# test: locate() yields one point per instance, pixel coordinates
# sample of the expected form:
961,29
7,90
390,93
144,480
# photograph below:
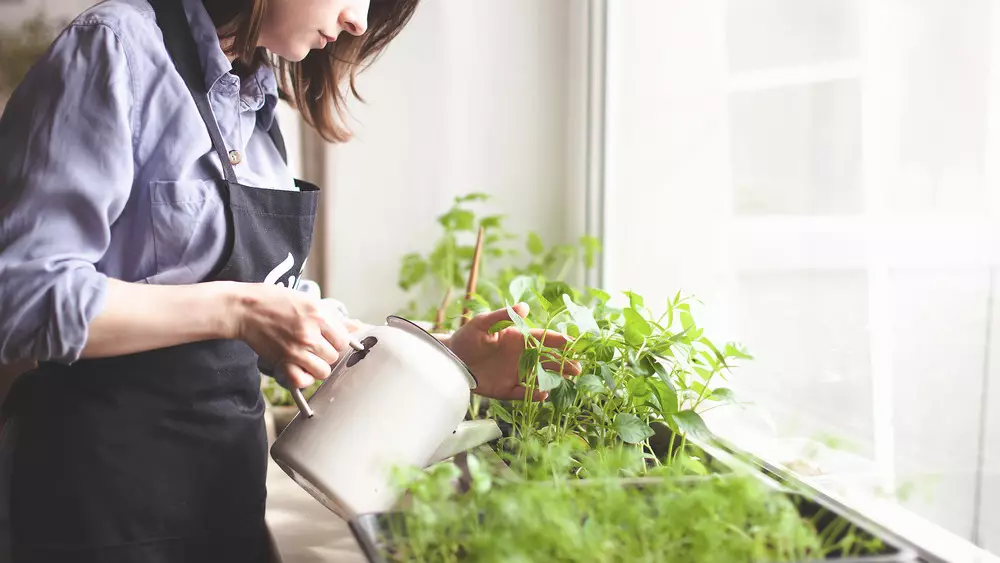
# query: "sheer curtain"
823,175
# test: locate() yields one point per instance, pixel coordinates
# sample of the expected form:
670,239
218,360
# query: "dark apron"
159,456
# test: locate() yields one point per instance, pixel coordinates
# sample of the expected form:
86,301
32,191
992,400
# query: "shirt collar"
259,91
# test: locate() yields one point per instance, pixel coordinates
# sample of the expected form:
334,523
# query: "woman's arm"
141,317
285,327
65,175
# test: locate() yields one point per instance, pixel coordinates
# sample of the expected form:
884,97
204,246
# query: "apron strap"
278,139
181,46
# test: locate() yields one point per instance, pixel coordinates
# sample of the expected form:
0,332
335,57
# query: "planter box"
375,533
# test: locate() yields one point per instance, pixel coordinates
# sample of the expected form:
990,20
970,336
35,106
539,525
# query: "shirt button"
235,157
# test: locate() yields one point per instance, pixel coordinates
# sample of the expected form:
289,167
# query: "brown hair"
314,85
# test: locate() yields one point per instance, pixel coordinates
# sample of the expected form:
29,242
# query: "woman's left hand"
493,358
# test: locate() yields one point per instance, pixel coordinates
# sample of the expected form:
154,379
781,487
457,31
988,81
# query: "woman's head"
320,45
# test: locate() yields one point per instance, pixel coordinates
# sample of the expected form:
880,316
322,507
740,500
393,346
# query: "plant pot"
378,534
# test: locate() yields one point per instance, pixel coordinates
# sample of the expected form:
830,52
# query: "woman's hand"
292,331
493,358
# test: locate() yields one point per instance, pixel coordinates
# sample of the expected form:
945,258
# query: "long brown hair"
315,85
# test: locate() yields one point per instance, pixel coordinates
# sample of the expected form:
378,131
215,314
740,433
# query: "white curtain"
823,175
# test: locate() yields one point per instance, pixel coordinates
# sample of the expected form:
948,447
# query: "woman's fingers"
312,365
486,320
518,394
551,339
566,369
336,334
294,376
325,350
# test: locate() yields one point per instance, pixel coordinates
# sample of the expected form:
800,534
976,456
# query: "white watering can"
397,400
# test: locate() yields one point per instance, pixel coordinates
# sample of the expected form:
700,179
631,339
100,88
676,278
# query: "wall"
473,96
13,12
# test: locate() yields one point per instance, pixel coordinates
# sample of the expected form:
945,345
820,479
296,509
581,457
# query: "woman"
151,237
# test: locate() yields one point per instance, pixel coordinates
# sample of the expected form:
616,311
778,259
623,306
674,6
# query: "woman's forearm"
140,317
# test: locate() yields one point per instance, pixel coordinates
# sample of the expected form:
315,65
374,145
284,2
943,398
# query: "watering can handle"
300,399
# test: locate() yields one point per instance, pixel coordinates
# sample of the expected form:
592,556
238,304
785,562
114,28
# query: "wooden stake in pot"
470,287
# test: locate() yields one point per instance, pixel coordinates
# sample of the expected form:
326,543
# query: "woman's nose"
351,23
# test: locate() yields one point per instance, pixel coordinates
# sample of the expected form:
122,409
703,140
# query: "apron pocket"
189,225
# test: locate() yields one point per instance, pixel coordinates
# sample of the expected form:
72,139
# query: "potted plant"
552,517
633,413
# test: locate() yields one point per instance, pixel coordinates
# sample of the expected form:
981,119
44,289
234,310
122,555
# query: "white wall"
472,96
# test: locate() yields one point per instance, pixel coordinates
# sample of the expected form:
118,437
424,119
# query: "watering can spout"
468,435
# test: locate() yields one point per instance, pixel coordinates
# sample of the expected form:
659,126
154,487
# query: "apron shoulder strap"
278,139
181,46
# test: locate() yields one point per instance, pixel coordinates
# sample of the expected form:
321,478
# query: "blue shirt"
106,171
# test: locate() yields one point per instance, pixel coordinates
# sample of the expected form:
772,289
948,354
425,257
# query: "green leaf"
442,260
519,322
636,327
698,388
526,363
491,222
731,351
601,296
519,286
535,246
710,357
638,388
723,394
690,423
687,322
591,247
693,465
498,411
572,331
703,373
500,326
554,291
548,380
412,271
667,397
582,316
545,303
458,220
590,382
609,376
658,367
564,395
645,365
475,306
634,300
631,429
474,196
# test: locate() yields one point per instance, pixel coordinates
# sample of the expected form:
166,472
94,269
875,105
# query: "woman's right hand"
291,331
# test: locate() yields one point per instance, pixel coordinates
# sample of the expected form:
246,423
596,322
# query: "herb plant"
560,493
549,517
436,281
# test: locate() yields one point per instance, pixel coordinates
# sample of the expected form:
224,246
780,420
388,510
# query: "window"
823,175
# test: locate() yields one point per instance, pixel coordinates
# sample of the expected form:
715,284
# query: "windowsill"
853,481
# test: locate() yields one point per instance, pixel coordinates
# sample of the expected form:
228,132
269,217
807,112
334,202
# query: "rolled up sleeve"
66,172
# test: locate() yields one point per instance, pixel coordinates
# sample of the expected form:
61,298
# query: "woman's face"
292,28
